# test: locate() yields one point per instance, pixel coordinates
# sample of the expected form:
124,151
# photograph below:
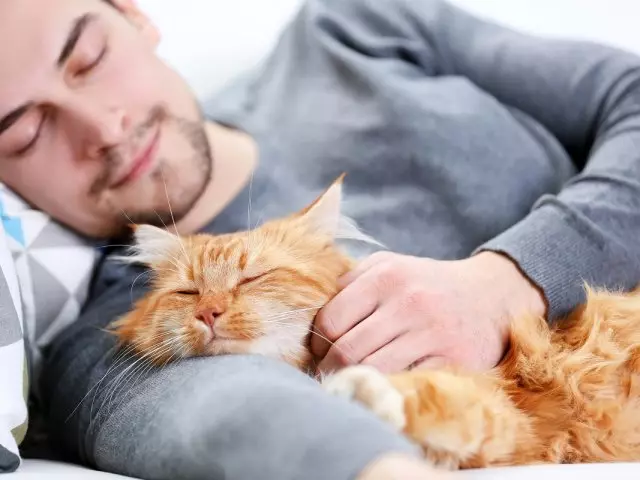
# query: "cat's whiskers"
167,269
166,192
136,368
139,372
127,217
249,207
119,359
133,284
249,229
170,359
259,220
112,245
110,398
179,266
290,312
311,330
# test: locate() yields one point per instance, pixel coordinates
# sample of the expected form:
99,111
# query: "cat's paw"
370,387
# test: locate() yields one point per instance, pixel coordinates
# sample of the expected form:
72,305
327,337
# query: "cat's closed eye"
187,292
253,276
250,278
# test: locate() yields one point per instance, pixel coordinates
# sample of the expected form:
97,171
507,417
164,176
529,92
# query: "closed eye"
187,292
252,278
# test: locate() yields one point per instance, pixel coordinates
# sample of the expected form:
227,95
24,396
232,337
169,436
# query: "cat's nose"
208,316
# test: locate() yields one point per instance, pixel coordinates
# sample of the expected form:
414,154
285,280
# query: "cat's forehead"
232,252
272,239
268,246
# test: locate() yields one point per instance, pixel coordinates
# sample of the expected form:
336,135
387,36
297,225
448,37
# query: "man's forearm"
246,417
587,96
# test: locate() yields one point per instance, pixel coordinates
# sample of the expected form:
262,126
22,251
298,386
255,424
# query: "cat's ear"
152,245
324,216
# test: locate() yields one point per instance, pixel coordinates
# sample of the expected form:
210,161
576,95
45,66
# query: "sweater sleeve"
235,416
586,95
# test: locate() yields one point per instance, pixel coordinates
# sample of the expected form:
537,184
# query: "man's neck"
235,157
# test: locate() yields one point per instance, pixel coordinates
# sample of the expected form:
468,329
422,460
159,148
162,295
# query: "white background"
210,41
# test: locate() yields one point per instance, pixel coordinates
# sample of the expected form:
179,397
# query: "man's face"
94,128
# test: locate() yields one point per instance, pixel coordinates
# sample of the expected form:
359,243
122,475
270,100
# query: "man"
502,171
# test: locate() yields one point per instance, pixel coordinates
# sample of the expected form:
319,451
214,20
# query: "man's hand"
396,311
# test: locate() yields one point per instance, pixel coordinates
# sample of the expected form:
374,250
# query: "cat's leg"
461,421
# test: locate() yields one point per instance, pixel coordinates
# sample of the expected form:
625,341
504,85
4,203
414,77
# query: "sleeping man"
501,171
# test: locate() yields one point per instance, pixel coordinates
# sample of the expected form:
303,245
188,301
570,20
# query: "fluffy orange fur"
563,394
567,394
266,286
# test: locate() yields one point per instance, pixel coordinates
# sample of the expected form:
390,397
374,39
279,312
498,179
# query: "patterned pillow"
13,378
54,267
47,269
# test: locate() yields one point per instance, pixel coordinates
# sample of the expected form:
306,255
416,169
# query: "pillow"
53,266
46,270
13,374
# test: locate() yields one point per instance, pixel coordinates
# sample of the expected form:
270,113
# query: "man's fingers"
342,313
361,341
362,267
402,352
431,363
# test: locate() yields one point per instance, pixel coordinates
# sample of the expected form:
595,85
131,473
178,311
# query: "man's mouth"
139,164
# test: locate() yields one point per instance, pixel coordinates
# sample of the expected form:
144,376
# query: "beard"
201,166
180,197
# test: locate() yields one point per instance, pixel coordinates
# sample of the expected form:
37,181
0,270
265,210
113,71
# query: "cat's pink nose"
208,316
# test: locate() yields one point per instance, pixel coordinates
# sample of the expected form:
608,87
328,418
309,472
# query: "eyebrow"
78,26
74,35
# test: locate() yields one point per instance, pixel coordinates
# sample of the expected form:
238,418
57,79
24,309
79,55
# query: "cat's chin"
226,346
220,344
291,349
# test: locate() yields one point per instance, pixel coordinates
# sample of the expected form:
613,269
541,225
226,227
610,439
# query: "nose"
208,316
103,127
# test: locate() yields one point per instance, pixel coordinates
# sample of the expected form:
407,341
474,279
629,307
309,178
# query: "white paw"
371,388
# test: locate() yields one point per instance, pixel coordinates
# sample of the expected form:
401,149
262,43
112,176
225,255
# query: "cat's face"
251,292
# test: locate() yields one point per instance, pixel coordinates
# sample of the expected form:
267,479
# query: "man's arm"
233,416
586,95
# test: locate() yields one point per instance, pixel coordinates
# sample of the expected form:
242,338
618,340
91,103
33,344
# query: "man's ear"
142,22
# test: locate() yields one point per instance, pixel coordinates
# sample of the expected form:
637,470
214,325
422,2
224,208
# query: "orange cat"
567,394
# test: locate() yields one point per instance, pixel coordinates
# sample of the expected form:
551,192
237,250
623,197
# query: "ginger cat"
565,394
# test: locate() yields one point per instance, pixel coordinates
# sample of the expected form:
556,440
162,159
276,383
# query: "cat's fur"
564,394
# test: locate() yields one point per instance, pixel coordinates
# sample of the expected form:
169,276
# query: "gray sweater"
457,135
